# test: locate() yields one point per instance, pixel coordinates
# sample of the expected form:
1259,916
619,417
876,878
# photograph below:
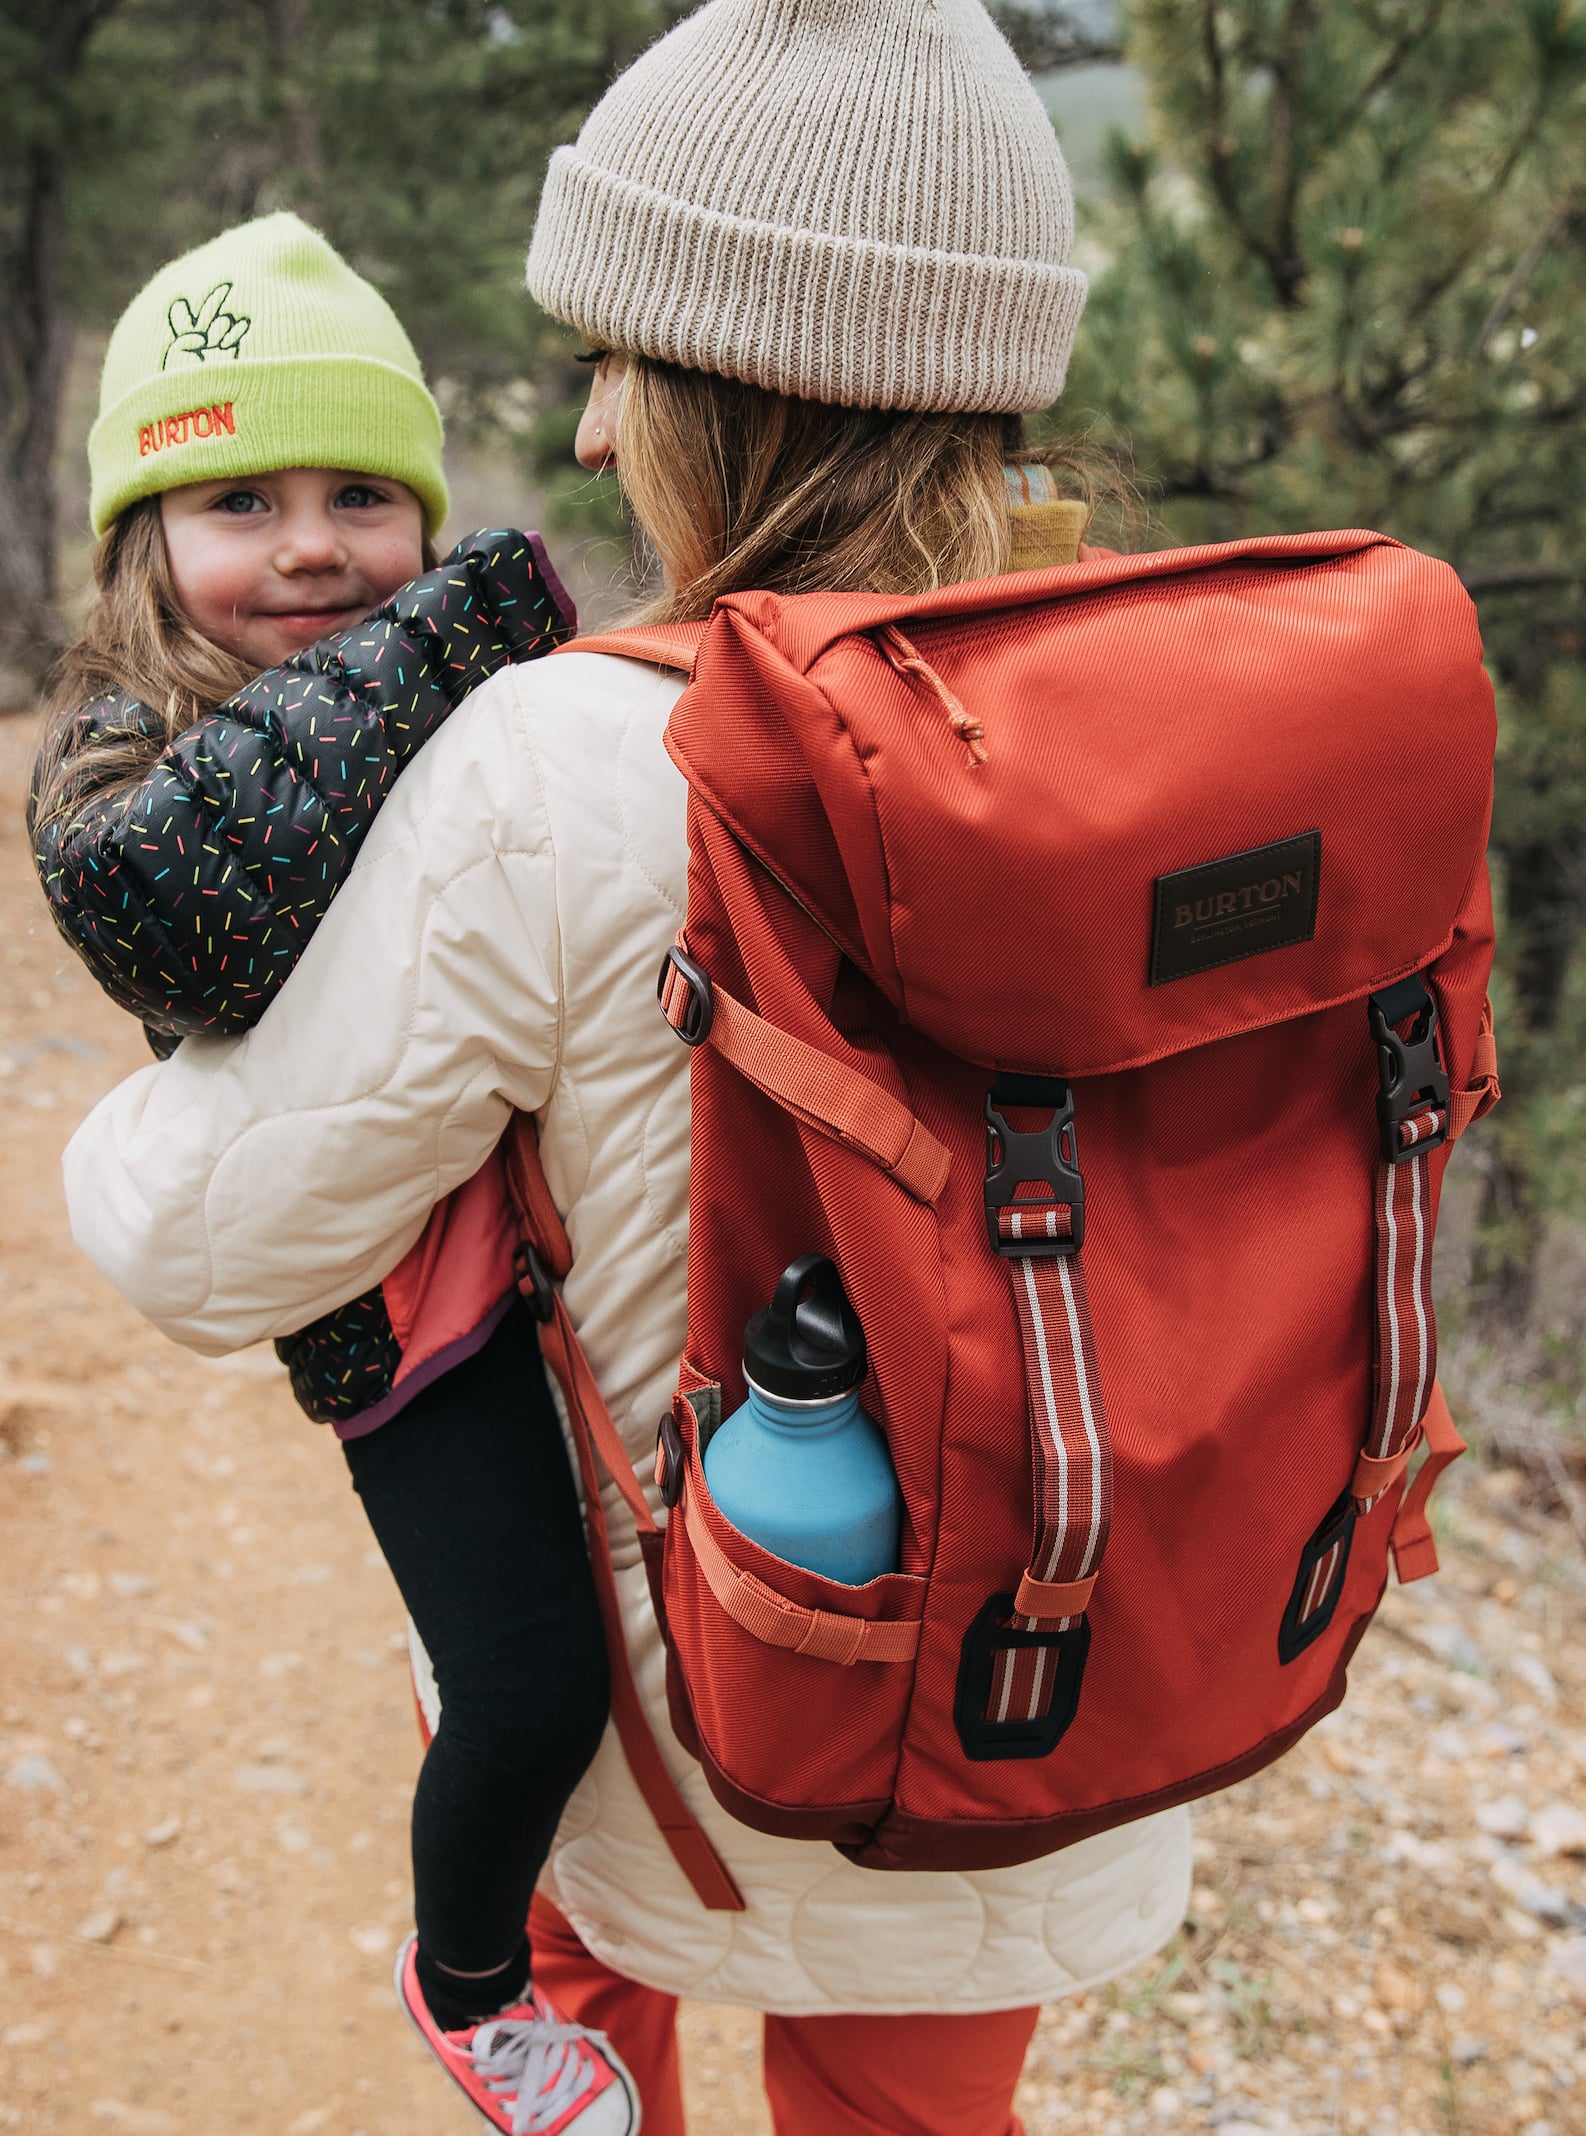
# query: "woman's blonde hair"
736,488
137,639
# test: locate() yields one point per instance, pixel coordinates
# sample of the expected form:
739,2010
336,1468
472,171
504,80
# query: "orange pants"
825,2076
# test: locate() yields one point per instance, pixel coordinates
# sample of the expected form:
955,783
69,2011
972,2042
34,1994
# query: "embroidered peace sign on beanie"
861,203
257,351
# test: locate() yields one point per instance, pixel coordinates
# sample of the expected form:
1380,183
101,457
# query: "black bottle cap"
807,1344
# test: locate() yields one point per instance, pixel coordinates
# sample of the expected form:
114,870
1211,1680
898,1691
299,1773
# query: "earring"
600,430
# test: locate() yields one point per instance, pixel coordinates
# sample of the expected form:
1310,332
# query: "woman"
823,253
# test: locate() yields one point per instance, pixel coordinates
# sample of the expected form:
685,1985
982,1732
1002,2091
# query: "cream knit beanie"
858,201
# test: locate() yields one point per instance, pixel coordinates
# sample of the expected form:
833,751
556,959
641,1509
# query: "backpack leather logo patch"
1240,906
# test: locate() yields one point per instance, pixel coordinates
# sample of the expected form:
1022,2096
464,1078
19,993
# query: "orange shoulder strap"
598,1445
665,645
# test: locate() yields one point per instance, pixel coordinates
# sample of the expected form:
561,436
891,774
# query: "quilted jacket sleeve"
191,895
249,1184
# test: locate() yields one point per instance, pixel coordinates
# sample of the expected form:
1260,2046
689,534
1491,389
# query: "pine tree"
1341,284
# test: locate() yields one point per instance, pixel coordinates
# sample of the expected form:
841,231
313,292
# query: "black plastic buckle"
1410,1070
533,1282
991,1634
1049,1158
700,1011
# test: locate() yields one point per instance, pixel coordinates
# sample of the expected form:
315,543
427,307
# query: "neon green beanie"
260,350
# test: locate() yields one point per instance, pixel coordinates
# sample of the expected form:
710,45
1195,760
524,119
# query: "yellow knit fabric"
1047,534
260,350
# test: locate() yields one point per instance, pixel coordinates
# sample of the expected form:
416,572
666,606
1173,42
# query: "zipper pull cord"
907,661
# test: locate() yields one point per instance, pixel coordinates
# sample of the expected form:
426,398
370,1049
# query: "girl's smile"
266,564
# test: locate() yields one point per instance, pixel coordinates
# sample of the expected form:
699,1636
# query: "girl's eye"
358,497
240,502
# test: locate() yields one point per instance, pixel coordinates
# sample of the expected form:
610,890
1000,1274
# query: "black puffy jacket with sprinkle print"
191,894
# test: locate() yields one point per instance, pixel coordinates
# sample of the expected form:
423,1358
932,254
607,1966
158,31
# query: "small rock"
23,2036
270,1780
100,1926
1559,1828
1507,1818
34,1774
184,1632
1543,1902
161,1834
1535,1674
1450,1998
1567,1962
34,1465
1452,1645
136,2120
129,1585
310,2123
1166,2103
1466,2049
1396,1990
1501,1741
371,1942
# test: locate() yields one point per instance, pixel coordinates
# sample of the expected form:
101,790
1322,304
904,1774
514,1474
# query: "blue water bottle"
800,1468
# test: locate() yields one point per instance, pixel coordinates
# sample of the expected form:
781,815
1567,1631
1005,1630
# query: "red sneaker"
527,2070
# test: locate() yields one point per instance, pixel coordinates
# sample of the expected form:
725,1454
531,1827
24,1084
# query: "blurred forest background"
1338,261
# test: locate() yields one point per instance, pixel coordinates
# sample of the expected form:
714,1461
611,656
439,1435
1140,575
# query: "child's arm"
191,895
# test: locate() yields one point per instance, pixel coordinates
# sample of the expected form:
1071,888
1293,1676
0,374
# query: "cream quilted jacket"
496,947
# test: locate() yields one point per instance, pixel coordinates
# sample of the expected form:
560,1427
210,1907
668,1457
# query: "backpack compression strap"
1035,1219
1416,1114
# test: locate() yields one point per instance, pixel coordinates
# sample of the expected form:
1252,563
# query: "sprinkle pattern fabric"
191,894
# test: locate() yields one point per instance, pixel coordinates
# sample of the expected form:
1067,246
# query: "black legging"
470,1495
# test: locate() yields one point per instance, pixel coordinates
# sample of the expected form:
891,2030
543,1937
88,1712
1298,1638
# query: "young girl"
266,472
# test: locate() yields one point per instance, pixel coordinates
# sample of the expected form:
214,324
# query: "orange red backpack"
1093,963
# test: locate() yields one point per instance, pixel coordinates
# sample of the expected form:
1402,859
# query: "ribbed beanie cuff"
860,205
305,411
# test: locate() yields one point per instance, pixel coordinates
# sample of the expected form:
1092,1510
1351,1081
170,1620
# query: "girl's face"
595,446
266,564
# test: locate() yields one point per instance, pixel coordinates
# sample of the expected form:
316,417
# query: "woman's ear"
595,446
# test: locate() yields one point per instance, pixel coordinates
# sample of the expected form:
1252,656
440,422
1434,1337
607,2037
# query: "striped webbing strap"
1035,1200
1413,1116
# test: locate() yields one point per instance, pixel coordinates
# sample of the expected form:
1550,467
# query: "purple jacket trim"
553,578
392,1404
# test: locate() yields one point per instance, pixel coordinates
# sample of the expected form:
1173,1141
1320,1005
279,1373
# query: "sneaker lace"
541,2060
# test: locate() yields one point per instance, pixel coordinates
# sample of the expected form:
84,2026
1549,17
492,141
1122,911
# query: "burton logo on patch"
1236,907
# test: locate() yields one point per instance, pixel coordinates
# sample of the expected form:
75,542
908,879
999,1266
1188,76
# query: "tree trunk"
35,346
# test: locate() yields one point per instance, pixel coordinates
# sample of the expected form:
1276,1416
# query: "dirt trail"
207,1749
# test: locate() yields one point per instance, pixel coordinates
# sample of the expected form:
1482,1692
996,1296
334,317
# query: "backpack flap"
1086,818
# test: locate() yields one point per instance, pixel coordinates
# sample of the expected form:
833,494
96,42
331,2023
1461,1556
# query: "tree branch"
1516,578
1050,36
